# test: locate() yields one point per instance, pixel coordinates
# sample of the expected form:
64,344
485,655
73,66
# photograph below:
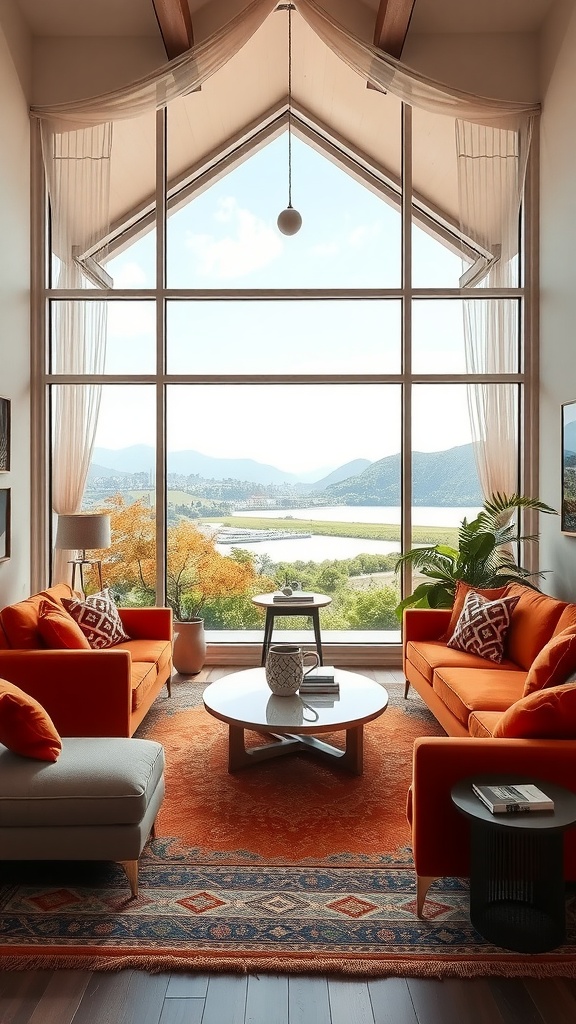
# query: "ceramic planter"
189,647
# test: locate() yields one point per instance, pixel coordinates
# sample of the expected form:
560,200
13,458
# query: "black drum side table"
517,891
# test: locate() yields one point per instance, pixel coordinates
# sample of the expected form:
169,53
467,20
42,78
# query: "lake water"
319,548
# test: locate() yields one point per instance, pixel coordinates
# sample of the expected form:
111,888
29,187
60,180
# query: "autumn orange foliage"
195,570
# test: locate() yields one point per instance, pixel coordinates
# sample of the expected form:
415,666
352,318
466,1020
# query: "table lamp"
80,532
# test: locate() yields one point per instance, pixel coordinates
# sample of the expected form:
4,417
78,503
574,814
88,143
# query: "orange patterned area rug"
288,865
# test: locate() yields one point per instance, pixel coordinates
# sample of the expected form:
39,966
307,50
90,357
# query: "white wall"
503,65
15,289
558,279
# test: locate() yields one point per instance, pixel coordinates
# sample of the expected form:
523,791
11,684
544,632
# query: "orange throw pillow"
58,629
545,714
462,591
25,727
555,663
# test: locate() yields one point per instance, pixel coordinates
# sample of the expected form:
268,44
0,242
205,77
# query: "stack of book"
297,597
513,798
320,680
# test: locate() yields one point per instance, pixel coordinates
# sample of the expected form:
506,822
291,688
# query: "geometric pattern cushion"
482,626
98,618
554,664
25,726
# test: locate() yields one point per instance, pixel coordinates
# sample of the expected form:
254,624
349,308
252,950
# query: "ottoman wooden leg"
131,869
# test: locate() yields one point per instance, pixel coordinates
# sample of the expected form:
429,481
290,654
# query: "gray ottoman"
98,801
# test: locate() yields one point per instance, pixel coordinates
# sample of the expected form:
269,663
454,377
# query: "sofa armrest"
439,832
425,623
147,623
86,693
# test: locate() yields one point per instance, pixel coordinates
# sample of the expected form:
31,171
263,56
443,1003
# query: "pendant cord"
289,106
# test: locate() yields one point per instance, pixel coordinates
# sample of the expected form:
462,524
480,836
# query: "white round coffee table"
244,701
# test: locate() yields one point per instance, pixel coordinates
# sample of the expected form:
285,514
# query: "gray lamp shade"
83,530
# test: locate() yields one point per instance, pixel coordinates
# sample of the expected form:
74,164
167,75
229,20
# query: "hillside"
439,478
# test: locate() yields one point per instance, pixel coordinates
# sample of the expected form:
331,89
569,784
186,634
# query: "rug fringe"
232,963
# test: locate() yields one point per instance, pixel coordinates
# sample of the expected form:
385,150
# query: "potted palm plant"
483,558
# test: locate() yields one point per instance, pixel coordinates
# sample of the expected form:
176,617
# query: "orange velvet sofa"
88,692
516,716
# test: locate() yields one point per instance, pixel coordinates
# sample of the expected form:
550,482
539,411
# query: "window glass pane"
284,337
119,337
440,327
121,480
227,236
298,482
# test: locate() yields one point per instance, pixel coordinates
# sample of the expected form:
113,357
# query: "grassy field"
366,531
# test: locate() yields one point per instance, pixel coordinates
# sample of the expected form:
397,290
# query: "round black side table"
517,891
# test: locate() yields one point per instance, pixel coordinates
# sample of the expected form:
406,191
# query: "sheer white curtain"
491,170
78,174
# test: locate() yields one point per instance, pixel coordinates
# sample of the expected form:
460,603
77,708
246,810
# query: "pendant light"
289,221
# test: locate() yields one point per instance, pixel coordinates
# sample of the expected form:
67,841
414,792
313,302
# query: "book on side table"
298,597
517,798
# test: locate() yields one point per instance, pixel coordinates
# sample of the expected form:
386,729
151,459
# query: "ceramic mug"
285,668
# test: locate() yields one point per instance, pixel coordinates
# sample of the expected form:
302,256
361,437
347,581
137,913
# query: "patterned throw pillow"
482,626
98,618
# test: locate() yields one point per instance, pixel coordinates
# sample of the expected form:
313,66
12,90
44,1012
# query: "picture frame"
568,492
4,435
4,523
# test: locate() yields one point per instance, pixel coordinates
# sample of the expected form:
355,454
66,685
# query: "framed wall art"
4,523
4,435
568,501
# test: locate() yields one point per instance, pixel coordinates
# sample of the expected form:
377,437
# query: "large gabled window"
305,404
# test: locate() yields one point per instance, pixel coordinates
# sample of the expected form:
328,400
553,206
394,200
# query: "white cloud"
130,275
363,233
250,245
326,249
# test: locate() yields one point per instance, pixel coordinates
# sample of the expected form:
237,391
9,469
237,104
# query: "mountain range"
439,478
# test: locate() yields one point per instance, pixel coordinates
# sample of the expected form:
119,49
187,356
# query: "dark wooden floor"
133,997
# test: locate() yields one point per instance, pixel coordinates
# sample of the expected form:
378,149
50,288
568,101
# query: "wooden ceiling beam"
392,23
175,25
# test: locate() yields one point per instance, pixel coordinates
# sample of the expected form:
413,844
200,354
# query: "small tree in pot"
483,558
195,571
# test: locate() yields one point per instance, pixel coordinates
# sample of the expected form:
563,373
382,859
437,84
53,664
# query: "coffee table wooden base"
351,758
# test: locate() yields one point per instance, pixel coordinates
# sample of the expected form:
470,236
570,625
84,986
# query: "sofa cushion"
25,727
20,621
143,676
483,625
533,622
58,629
463,691
543,714
462,591
482,723
157,651
426,656
96,781
554,664
566,620
98,619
